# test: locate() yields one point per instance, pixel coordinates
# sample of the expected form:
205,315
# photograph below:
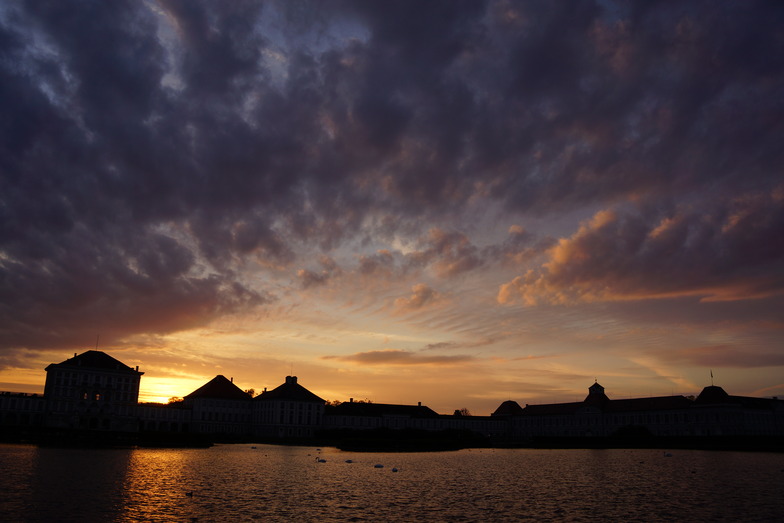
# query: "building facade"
93,391
712,413
287,411
219,407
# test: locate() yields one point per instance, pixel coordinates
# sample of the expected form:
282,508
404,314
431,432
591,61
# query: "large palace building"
95,393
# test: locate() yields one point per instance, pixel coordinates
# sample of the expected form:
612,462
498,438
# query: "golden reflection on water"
268,483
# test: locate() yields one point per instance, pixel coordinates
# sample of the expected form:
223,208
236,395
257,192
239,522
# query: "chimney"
351,400
231,379
291,379
137,368
265,389
74,354
419,403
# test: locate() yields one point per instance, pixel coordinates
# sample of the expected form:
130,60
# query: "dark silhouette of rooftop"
352,408
596,396
712,395
95,359
508,408
553,409
656,403
219,387
289,390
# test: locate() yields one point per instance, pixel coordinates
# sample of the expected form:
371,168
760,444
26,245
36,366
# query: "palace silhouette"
96,394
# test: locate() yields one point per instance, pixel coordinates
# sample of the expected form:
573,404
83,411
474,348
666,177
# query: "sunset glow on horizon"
453,203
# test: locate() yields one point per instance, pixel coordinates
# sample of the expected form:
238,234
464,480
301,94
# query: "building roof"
95,359
712,395
381,409
290,390
596,396
219,387
508,408
641,404
553,409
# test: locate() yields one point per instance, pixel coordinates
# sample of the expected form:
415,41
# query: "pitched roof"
381,409
95,359
290,390
219,387
712,394
508,408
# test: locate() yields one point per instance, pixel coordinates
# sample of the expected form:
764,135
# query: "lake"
276,483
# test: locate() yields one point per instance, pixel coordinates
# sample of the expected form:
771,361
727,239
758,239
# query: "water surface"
271,483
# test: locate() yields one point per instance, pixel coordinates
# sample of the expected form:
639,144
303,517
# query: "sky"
452,202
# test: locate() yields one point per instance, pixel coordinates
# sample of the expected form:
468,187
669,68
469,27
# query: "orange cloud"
722,356
725,254
398,357
422,296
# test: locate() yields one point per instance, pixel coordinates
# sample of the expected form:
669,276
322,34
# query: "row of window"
75,378
65,407
12,403
231,417
106,395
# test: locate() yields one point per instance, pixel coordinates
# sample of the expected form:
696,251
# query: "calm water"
238,483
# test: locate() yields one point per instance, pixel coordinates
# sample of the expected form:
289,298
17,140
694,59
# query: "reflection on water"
240,483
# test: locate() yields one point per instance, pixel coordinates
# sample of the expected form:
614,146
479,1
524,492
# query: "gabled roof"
95,359
221,388
290,390
381,409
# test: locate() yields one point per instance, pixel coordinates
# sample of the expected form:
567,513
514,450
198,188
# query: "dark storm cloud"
148,149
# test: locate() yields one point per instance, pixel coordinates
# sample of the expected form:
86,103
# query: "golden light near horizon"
161,390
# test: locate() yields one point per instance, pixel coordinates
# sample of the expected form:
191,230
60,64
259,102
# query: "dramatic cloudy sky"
451,202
